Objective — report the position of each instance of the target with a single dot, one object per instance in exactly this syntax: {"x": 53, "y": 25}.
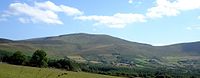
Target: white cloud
{"x": 118, "y": 20}
{"x": 130, "y": 1}
{"x": 70, "y": 11}
{"x": 48, "y": 6}
{"x": 185, "y": 5}
{"x": 162, "y": 8}
{"x": 36, "y": 14}
{"x": 61, "y": 8}
{"x": 171, "y": 8}
{"x": 46, "y": 12}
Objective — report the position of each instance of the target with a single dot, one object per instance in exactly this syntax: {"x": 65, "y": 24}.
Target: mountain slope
{"x": 81, "y": 42}
{"x": 98, "y": 47}
{"x": 76, "y": 44}
{"x": 193, "y": 47}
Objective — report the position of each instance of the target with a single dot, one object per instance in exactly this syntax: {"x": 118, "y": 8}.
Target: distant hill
{"x": 81, "y": 43}
{"x": 192, "y": 47}
{"x": 5, "y": 40}
{"x": 98, "y": 46}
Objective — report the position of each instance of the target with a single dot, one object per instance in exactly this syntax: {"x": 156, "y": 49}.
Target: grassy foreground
{"x": 13, "y": 71}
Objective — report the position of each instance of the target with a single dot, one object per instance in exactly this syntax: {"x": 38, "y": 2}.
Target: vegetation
{"x": 4, "y": 54}
{"x": 12, "y": 71}
{"x": 39, "y": 59}
{"x": 88, "y": 44}
{"x": 104, "y": 54}
{"x": 106, "y": 49}
{"x": 66, "y": 64}
{"x": 144, "y": 72}
{"x": 18, "y": 58}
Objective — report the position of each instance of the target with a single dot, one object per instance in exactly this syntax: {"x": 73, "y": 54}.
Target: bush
{"x": 17, "y": 58}
{"x": 39, "y": 59}
{"x": 66, "y": 64}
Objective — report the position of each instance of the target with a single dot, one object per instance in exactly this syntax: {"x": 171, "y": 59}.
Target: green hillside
{"x": 84, "y": 44}
{"x": 99, "y": 48}
{"x": 13, "y": 71}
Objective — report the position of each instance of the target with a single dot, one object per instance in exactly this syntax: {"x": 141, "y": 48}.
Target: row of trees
{"x": 39, "y": 59}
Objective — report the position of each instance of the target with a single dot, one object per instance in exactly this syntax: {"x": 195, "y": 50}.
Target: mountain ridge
{"x": 30, "y": 39}
{"x": 87, "y": 44}
{"x": 107, "y": 49}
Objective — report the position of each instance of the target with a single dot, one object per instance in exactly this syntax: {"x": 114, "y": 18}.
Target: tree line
{"x": 39, "y": 59}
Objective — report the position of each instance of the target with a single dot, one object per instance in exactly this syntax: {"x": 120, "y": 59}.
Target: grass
{"x": 13, "y": 71}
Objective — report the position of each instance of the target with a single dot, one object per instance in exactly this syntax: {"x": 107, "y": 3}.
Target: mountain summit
{"x": 98, "y": 47}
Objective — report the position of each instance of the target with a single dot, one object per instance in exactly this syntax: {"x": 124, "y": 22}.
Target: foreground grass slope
{"x": 13, "y": 71}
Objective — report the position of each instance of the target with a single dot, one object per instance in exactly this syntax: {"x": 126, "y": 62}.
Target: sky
{"x": 155, "y": 22}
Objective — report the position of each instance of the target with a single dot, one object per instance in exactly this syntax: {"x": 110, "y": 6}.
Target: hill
{"x": 77, "y": 44}
{"x": 105, "y": 49}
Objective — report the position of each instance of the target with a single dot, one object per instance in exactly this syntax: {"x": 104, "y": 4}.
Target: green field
{"x": 13, "y": 71}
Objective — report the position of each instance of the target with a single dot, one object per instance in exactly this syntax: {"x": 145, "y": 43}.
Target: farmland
{"x": 13, "y": 71}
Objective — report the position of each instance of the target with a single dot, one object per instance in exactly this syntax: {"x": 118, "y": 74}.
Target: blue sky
{"x": 156, "y": 22}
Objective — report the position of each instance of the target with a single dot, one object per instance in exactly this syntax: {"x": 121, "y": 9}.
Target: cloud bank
{"x": 45, "y": 12}
{"x": 118, "y": 20}
{"x": 48, "y": 12}
{"x": 161, "y": 9}
{"x": 172, "y": 8}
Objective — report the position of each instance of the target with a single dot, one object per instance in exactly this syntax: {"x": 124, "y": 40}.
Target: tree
{"x": 5, "y": 55}
{"x": 18, "y": 58}
{"x": 66, "y": 64}
{"x": 39, "y": 59}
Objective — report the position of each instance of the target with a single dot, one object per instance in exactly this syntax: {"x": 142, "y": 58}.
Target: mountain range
{"x": 101, "y": 48}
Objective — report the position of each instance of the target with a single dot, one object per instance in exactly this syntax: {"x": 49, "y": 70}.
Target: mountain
{"x": 101, "y": 48}
{"x": 5, "y": 40}
{"x": 193, "y": 47}
{"x": 77, "y": 44}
